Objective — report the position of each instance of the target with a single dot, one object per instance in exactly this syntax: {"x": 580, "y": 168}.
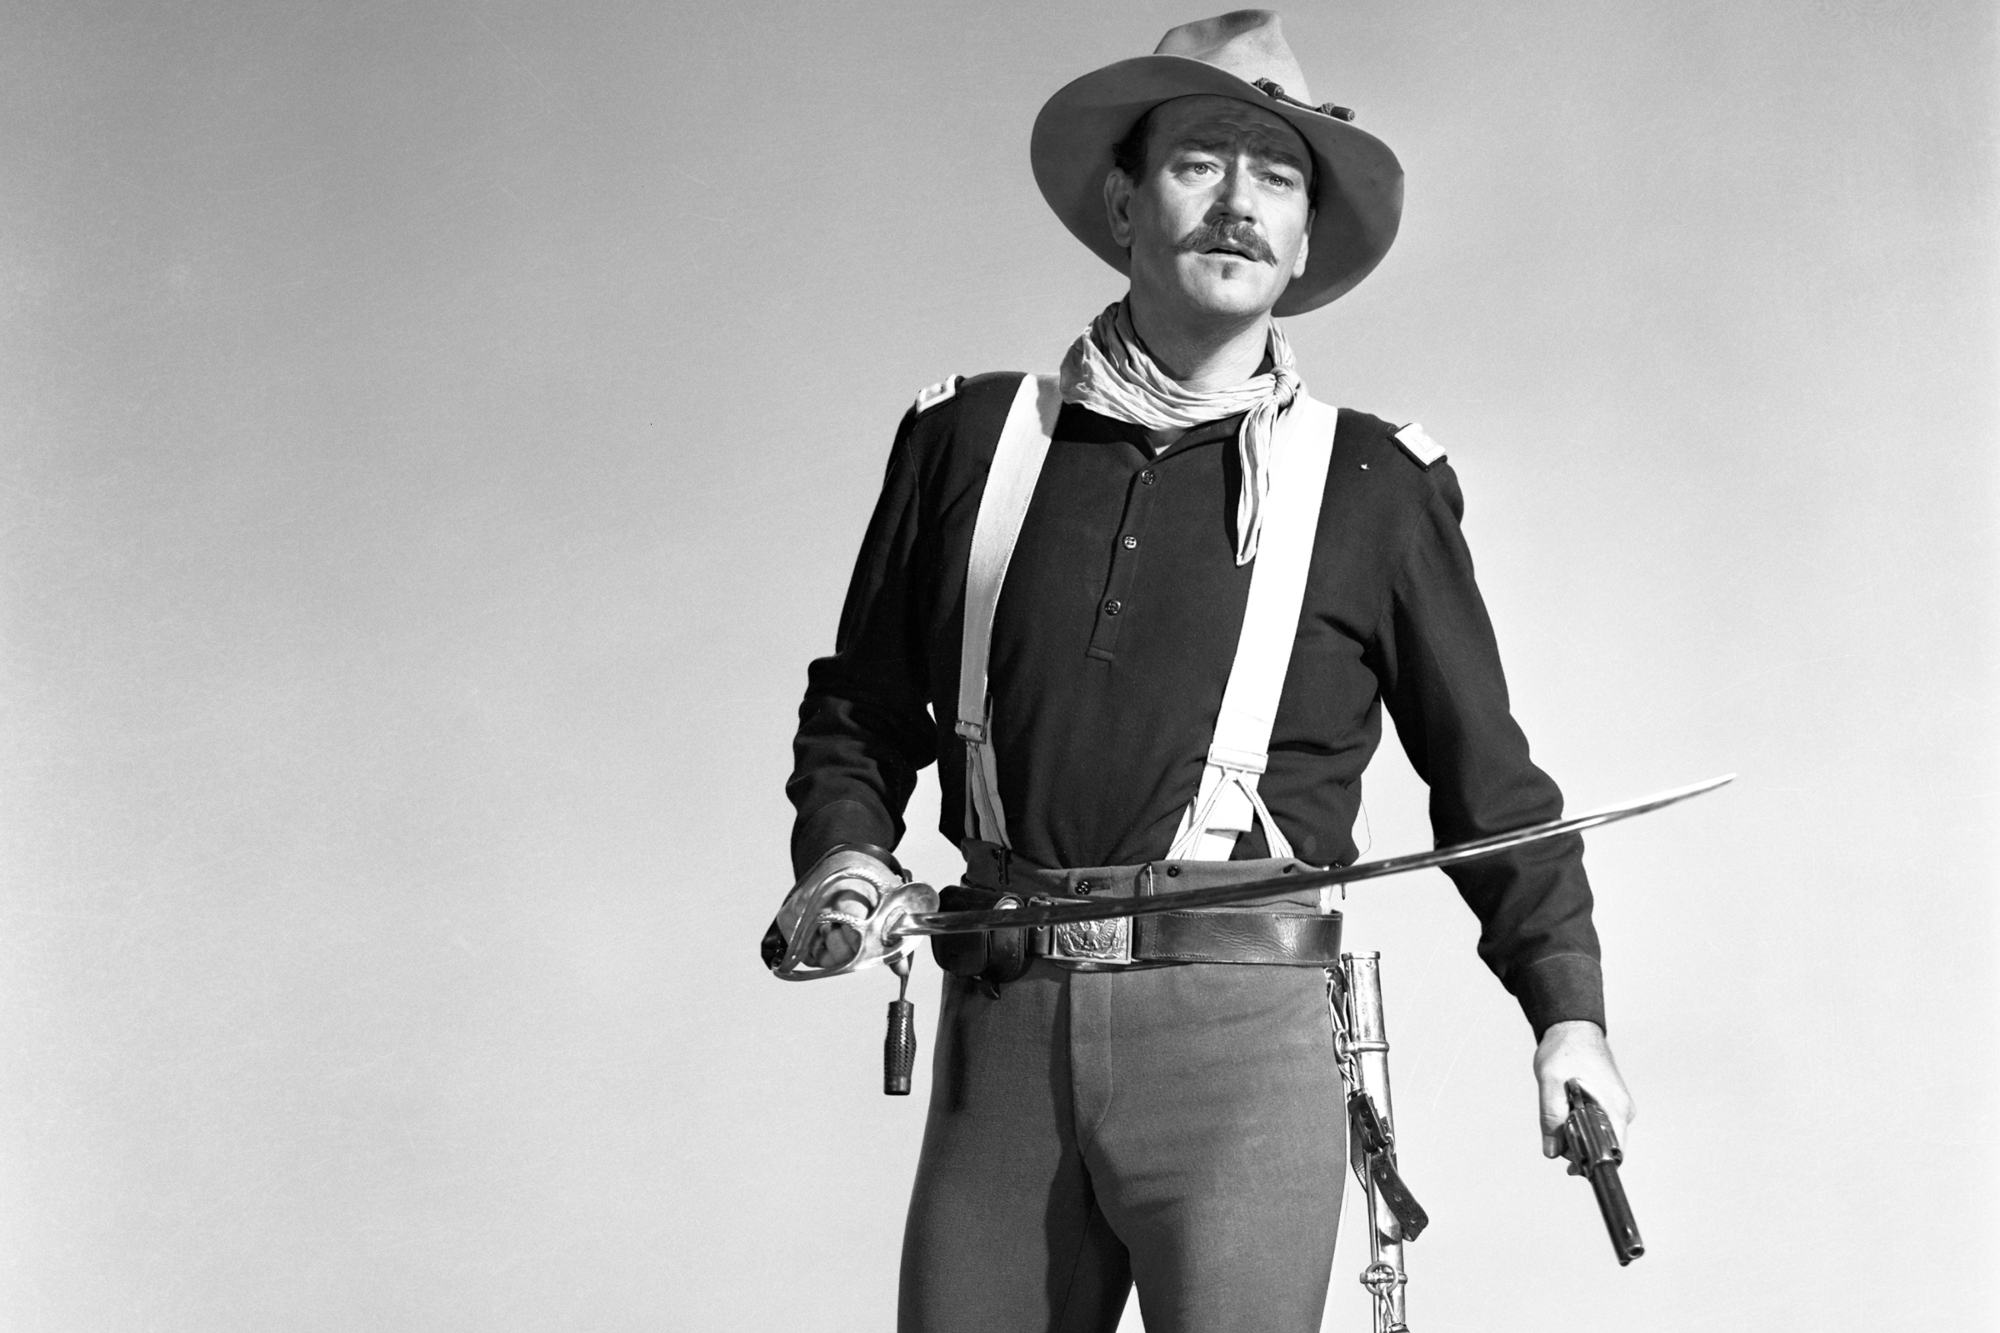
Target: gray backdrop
{"x": 434, "y": 439}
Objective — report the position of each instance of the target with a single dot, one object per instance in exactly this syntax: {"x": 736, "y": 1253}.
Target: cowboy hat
{"x": 1358, "y": 184}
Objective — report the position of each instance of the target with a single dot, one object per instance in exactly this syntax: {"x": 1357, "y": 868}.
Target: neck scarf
{"x": 1109, "y": 372}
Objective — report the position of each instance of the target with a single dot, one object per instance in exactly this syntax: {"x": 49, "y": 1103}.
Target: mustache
{"x": 1242, "y": 236}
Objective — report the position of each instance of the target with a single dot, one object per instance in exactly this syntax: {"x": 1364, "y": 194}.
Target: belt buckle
{"x": 1092, "y": 944}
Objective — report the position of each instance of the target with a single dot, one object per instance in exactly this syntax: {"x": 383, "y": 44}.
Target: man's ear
{"x": 1118, "y": 206}
{"x": 1305, "y": 246}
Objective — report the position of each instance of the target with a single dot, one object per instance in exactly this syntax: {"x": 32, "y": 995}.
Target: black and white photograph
{"x": 999, "y": 669}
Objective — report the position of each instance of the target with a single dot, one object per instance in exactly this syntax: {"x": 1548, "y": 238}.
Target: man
{"x": 1168, "y": 1111}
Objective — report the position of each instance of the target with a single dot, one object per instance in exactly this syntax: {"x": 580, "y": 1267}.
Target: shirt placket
{"x": 1127, "y": 545}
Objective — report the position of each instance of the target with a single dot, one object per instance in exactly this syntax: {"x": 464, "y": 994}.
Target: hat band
{"x": 1274, "y": 90}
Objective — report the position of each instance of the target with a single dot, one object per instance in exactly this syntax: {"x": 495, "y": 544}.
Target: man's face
{"x": 1216, "y": 221}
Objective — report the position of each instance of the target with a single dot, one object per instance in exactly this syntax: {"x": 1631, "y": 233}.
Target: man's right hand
{"x": 845, "y": 883}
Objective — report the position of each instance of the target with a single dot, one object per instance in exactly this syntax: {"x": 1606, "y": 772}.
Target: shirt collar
{"x": 1084, "y": 426}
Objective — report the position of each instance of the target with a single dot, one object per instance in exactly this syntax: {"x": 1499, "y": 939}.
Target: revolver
{"x": 1592, "y": 1148}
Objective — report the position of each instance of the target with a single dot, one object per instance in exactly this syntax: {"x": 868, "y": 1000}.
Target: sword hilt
{"x": 899, "y": 1047}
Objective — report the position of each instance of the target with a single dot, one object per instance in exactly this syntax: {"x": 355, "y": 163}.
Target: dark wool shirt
{"x": 1114, "y": 636}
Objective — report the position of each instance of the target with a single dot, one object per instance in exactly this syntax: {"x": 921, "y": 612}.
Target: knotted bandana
{"x": 1108, "y": 372}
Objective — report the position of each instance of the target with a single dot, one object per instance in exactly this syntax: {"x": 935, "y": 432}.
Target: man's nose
{"x": 1235, "y": 198}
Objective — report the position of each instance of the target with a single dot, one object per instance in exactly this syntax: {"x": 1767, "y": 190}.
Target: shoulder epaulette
{"x": 937, "y": 393}
{"x": 1421, "y": 448}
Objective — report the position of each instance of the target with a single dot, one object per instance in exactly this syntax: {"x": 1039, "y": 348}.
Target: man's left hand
{"x": 1577, "y": 1050}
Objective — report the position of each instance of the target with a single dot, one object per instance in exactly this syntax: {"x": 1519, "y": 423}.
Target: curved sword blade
{"x": 1045, "y": 912}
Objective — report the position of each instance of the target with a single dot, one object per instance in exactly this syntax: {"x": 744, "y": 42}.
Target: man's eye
{"x": 1279, "y": 180}
{"x": 1196, "y": 168}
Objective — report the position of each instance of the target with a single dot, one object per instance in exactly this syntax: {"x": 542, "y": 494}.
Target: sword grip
{"x": 899, "y": 1048}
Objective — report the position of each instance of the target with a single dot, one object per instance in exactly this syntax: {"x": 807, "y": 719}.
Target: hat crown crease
{"x": 1248, "y": 43}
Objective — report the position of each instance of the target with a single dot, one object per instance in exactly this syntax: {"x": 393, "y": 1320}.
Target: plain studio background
{"x": 435, "y": 439}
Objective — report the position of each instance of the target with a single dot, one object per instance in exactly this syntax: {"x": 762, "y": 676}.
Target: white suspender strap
{"x": 1003, "y": 506}
{"x": 1227, "y": 799}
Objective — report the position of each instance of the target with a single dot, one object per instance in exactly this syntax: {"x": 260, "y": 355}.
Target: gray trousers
{"x": 1178, "y": 1127}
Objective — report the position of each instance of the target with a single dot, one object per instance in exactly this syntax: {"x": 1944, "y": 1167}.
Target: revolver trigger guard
{"x": 880, "y": 942}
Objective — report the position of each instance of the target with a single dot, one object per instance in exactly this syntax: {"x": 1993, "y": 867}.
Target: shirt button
{"x": 1130, "y": 543}
{"x": 1113, "y": 607}
{"x": 1083, "y": 887}
{"x": 1147, "y": 478}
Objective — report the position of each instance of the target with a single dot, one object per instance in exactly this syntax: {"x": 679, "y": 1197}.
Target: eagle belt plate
{"x": 1106, "y": 943}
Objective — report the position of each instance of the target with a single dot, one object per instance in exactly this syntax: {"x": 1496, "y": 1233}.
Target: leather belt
{"x": 1225, "y": 935}
{"x": 1300, "y": 937}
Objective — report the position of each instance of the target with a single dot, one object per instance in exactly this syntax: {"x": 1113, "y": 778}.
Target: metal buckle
{"x": 1095, "y": 943}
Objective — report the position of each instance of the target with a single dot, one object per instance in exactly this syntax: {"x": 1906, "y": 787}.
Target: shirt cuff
{"x": 1558, "y": 989}
{"x": 832, "y": 825}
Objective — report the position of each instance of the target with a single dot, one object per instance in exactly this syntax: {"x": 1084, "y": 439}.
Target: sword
{"x": 1053, "y": 912}
{"x": 910, "y": 912}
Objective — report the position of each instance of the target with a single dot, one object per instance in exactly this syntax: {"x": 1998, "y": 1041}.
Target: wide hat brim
{"x": 1358, "y": 181}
